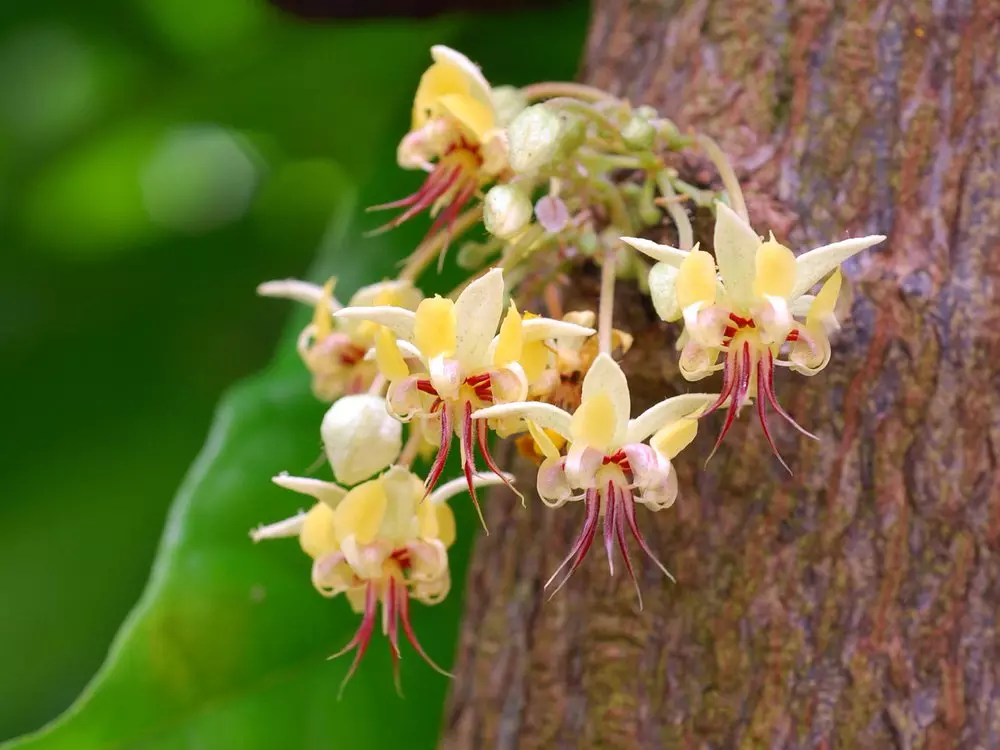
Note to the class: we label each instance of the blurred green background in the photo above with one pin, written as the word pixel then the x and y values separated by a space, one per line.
pixel 158 159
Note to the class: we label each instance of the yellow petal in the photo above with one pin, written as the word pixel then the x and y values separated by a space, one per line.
pixel 437 522
pixel 356 598
pixel 594 423
pixel 675 437
pixel 696 279
pixel 361 512
pixel 825 302
pixel 439 80
pixel 510 340
pixel 318 535
pixel 775 270
pixel 323 312
pixel 434 328
pixel 534 360
pixel 475 119
pixel 388 357
pixel 545 440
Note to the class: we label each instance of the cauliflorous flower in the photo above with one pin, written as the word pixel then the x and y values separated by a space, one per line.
pixel 334 351
pixel 464 364
pixel 746 304
pixel 607 464
pixel 456 137
pixel 379 543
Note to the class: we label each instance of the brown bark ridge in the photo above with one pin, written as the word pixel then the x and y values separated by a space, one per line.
pixel 854 604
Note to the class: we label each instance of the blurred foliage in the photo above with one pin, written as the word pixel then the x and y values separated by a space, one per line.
pixel 157 160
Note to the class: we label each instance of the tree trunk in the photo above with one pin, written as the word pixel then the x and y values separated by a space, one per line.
pixel 855 603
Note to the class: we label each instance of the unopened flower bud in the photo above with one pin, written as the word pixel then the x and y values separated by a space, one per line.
pixel 552 213
pixel 509 102
pixel 639 133
pixel 506 211
pixel 534 139
pixel 360 437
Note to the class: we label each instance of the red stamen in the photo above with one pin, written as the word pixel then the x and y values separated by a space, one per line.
pixel 442 454
pixel 732 385
pixel 468 460
pixel 482 435
pixel 362 637
pixel 729 379
pixel 766 384
pixel 425 198
pixel 628 505
pixel 762 412
pixel 622 544
pixel 583 542
pixel 403 606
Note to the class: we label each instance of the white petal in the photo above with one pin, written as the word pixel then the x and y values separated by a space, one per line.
pixel 407 295
pixel 542 414
pixel 663 291
pixel 280 529
pixel 300 291
pixel 479 87
pixel 360 437
pixel 736 246
pixel 398 320
pixel 326 492
pixel 660 415
pixel 605 376
pixel 812 266
pixel 663 253
pixel 536 329
pixel 477 316
pixel 448 490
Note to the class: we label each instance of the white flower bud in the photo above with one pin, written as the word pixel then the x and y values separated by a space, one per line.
pixel 662 290
pixel 508 102
pixel 360 437
pixel 506 211
pixel 534 137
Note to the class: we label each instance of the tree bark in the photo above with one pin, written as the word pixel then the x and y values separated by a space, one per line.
pixel 854 604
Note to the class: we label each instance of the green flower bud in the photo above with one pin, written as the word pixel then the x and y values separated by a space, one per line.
pixel 639 133
pixel 534 139
pixel 509 102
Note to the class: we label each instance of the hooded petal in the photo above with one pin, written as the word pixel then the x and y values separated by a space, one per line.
pixel 539 412
pixel 477 315
pixel 326 492
pixel 812 266
pixel 736 246
pixel 662 253
pixel 605 376
pixel 397 319
pixel 551 483
pixel 661 415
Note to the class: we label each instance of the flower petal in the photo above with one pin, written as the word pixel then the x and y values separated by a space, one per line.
pixel 510 340
pixel 696 280
pixel 388 357
pixel 397 293
pixel 539 329
pixel 675 437
pixel 542 414
pixel 477 315
pixel 326 492
pixel 361 513
pixel 300 291
pixel 812 266
pixel 551 483
pixel 476 84
pixel 662 253
pixel 434 327
pixel 736 246
pixel 319 534
pixel 287 527
pixel 605 376
pixel 542 440
pixel 670 410
pixel 821 310
pixel 399 320
pixel 455 487
pixel 595 422
pixel 663 291
pixel 475 118
pixel 775 270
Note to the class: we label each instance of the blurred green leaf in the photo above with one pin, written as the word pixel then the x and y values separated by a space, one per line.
pixel 226 647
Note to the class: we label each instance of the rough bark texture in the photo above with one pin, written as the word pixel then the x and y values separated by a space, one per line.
pixel 855 604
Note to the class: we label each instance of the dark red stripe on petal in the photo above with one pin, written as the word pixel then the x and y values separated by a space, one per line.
pixel 362 637
pixel 468 462
pixel 403 601
pixel 583 542
pixel 442 455
pixel 768 387
pixel 628 505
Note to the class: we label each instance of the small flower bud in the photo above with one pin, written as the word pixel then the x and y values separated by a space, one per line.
pixel 639 133
pixel 360 437
pixel 534 138
pixel 509 102
pixel 506 211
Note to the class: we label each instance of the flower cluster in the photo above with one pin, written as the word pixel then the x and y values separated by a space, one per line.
pixel 573 175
